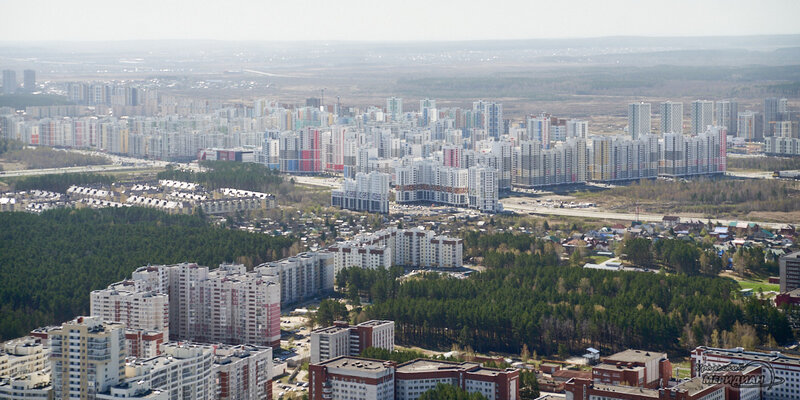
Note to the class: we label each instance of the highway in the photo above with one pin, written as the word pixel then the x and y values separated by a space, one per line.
pixel 67 170
pixel 514 204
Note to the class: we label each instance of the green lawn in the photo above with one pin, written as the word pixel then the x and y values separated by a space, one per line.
pixel 763 285
pixel 598 259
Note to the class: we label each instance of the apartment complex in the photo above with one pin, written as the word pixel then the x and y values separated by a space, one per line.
pixel 242 372
pixel 693 389
pixel 23 356
pixel 413 247
pixel 639 119
pixel 182 371
pixel 144 313
pixel 702 116
pixel 367 192
pixel 87 357
pixel 671 117
pixel 227 305
pixel 301 277
pixel 351 378
pixel 343 339
pixel 536 166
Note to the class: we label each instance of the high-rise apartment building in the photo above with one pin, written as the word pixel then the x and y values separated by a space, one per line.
pixel 621 158
pixel 394 108
pixel 367 192
pixel 639 119
pixel 539 129
pixel 577 129
pixel 29 80
pixel 774 110
pixel 144 313
pixel 727 115
pixel 702 115
pixel 301 277
pixel 489 116
pixel 749 126
pixel 9 81
pixel 227 305
pixel 183 371
pixel 23 356
pixel 87 357
pixel 343 339
pixel 242 372
pixel 671 117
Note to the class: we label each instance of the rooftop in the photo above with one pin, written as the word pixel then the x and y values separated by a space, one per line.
pixel 634 356
pixel 355 363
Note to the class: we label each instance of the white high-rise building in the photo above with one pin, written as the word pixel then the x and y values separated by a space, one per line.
pixel 183 371
pixel 539 129
pixel 727 114
pixel 639 119
pixel 242 372
pixel 145 314
pixel 577 129
pixel 671 117
pixel 367 192
pixel 702 115
pixel 394 108
pixel 87 357
pixel 301 277
pixel 226 305
pixel 483 189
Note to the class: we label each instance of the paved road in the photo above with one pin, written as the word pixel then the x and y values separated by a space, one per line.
pixel 513 204
pixel 46 171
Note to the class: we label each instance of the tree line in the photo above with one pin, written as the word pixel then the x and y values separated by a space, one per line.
pixel 60 182
pixel 49 263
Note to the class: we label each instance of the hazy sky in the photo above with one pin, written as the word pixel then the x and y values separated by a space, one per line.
pixel 377 20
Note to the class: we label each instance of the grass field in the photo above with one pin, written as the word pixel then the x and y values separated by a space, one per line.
pixel 755 285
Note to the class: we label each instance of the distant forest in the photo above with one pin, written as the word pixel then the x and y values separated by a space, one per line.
pixel 764 163
pixel 49 263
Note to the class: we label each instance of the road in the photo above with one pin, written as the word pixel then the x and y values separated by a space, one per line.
pixel 66 170
pixel 514 204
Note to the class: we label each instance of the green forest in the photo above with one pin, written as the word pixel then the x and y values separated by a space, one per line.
pixel 525 297
pixel 50 262
pixel 59 182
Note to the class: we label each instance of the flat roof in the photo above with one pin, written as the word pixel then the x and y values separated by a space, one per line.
pixel 619 367
pixel 375 322
pixel 638 391
pixel 356 363
pixel 631 355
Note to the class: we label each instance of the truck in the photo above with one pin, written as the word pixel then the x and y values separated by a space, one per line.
pixel 786 174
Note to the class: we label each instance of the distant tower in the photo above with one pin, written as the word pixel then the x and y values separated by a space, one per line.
pixel 702 115
pixel 9 81
pixel 394 108
pixel 727 114
pixel 488 116
pixel 671 117
pixel 639 119
pixel 774 111
pixel 29 80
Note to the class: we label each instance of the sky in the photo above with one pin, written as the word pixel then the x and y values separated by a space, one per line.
pixel 385 20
